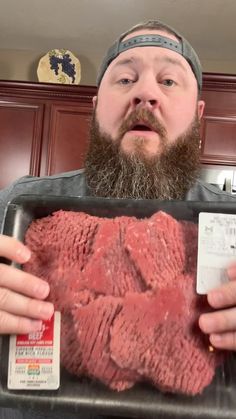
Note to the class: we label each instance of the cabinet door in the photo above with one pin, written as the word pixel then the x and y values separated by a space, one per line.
pixel 219 140
pixel 218 145
pixel 20 140
pixel 66 144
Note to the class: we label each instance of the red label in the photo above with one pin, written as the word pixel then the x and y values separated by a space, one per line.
pixel 35 360
pixel 43 337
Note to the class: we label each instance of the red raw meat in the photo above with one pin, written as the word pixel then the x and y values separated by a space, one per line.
pixel 92 324
pixel 156 248
pixel 126 290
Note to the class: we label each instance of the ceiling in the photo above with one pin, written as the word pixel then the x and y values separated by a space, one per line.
pixel 88 27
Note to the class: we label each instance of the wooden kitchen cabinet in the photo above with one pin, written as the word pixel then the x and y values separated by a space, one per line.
pixel 65 145
pixel 44 127
pixel 21 126
pixel 218 129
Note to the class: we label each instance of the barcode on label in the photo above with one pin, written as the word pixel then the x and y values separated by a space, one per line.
pixel 230 231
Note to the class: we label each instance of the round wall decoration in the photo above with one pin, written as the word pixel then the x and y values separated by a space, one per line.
pixel 59 66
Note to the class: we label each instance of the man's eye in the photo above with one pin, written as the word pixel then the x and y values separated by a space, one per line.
pixel 126 81
pixel 168 82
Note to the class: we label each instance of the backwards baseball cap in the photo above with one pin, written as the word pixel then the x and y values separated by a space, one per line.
pixel 182 47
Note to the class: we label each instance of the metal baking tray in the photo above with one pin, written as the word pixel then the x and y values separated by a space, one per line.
pixel 83 395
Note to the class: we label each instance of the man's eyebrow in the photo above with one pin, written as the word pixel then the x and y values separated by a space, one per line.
pixel 125 61
pixel 170 60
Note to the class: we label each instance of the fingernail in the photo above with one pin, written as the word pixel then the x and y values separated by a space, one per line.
pixel 42 290
pixel 23 253
pixel 231 272
pixel 215 339
pixel 36 325
pixel 215 297
pixel 46 310
pixel 207 324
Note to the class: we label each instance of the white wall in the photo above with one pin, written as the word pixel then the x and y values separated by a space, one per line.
pixel 21 65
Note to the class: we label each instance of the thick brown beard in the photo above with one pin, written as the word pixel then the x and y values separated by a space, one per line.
pixel 112 173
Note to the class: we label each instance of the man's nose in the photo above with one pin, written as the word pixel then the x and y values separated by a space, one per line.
pixel 139 101
pixel 145 96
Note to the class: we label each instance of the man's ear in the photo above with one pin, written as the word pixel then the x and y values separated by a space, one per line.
pixel 94 101
pixel 200 108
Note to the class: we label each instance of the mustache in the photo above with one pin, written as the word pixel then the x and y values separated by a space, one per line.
pixel 142 116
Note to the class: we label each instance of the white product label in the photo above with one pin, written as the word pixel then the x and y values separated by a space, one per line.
pixel 216 249
pixel 34 359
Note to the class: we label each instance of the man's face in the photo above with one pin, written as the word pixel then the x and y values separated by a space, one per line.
pixel 145 128
pixel 152 78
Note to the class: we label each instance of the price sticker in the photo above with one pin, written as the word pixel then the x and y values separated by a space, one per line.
pixel 216 249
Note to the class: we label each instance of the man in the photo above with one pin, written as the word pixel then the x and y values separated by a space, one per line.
pixel 144 143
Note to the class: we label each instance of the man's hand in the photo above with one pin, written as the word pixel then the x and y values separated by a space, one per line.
pixel 21 295
pixel 221 324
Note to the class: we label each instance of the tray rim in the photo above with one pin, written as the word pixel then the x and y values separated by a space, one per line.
pixel 112 399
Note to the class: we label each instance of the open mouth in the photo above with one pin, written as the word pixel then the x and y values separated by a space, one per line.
pixel 141 127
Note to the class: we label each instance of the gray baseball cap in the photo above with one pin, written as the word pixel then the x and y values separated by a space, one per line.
pixel 182 47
